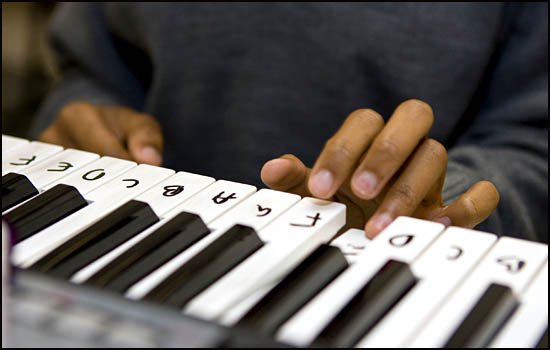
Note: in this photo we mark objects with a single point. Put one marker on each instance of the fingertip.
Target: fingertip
(321, 184)
(364, 185)
(274, 171)
(148, 155)
(376, 224)
(445, 220)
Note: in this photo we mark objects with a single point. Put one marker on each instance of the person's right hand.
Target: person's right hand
(114, 131)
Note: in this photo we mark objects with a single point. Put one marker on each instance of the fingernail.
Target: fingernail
(320, 184)
(444, 220)
(377, 223)
(365, 183)
(150, 155)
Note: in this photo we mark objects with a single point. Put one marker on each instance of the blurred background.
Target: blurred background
(28, 69)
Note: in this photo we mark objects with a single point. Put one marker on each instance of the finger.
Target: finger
(53, 135)
(143, 135)
(342, 152)
(83, 124)
(409, 124)
(286, 173)
(472, 207)
(421, 172)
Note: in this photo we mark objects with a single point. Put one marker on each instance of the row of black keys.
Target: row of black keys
(360, 315)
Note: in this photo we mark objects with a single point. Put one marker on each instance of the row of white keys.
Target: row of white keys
(403, 240)
(530, 320)
(57, 166)
(94, 175)
(289, 239)
(246, 212)
(27, 155)
(352, 243)
(440, 269)
(10, 143)
(103, 200)
(165, 199)
(511, 262)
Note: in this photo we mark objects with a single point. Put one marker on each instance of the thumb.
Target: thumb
(143, 137)
(286, 173)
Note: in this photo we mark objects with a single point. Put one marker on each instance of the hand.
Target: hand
(107, 130)
(383, 171)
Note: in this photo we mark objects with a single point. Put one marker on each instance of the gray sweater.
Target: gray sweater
(235, 85)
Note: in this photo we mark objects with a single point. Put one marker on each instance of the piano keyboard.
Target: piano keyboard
(210, 257)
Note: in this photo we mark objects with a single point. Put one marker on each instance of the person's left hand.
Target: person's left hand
(383, 171)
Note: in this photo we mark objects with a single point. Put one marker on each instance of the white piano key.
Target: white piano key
(403, 240)
(104, 199)
(162, 197)
(209, 205)
(440, 269)
(27, 155)
(530, 320)
(10, 143)
(173, 191)
(511, 262)
(353, 243)
(299, 231)
(95, 174)
(217, 199)
(57, 166)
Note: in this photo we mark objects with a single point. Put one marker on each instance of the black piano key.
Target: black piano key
(295, 290)
(16, 188)
(206, 267)
(543, 341)
(163, 244)
(97, 240)
(242, 338)
(368, 306)
(44, 210)
(485, 319)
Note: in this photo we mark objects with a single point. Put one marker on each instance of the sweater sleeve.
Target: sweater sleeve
(504, 136)
(90, 62)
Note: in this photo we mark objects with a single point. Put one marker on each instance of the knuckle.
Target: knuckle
(436, 150)
(387, 149)
(145, 122)
(405, 194)
(339, 149)
(470, 210)
(75, 109)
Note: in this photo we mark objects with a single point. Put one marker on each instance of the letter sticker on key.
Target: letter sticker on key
(136, 182)
(401, 240)
(87, 177)
(456, 253)
(27, 161)
(264, 211)
(170, 191)
(315, 218)
(513, 264)
(220, 199)
(62, 166)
